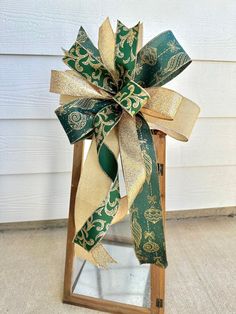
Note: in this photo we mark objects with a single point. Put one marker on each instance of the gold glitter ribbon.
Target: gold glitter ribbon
(166, 110)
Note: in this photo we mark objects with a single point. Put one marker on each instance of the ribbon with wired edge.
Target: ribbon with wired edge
(113, 95)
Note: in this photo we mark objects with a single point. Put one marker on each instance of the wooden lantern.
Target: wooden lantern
(156, 274)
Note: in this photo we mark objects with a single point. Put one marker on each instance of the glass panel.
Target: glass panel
(126, 282)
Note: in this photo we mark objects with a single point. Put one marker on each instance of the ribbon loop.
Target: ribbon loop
(83, 62)
(106, 45)
(85, 41)
(118, 75)
(125, 52)
(160, 60)
(77, 117)
(131, 97)
(105, 120)
(96, 226)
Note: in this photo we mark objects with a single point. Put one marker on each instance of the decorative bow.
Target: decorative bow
(110, 95)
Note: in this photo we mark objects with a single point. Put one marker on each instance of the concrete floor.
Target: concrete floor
(201, 276)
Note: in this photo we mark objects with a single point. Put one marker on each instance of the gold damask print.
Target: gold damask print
(87, 103)
(149, 56)
(149, 234)
(131, 97)
(141, 257)
(148, 165)
(131, 37)
(125, 52)
(156, 63)
(157, 260)
(153, 215)
(175, 62)
(98, 223)
(82, 237)
(138, 122)
(151, 247)
(160, 60)
(83, 61)
(147, 204)
(138, 70)
(136, 231)
(152, 199)
(111, 205)
(82, 36)
(126, 34)
(104, 121)
(133, 210)
(77, 120)
(173, 46)
(83, 39)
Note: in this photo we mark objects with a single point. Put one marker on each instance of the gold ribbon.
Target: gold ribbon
(166, 110)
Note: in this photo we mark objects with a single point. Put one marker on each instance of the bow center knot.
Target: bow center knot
(132, 97)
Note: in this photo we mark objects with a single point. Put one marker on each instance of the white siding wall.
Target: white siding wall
(35, 156)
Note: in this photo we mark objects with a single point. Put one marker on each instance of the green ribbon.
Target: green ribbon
(155, 64)
(146, 212)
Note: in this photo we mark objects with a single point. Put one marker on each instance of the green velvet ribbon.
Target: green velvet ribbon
(155, 64)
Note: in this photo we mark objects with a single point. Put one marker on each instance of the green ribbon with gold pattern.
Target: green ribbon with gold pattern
(126, 92)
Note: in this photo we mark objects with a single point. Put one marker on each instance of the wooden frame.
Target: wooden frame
(157, 273)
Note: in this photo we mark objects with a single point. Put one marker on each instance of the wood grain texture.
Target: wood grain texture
(158, 284)
(41, 146)
(206, 31)
(157, 274)
(76, 172)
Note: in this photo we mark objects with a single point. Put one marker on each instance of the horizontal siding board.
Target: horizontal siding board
(212, 143)
(25, 80)
(211, 85)
(206, 31)
(46, 196)
(24, 88)
(41, 146)
(35, 155)
(33, 146)
(34, 197)
(201, 187)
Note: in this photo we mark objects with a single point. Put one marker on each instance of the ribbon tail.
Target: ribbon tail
(146, 212)
(106, 45)
(92, 190)
(131, 157)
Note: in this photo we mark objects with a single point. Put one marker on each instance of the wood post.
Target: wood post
(76, 171)
(157, 274)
